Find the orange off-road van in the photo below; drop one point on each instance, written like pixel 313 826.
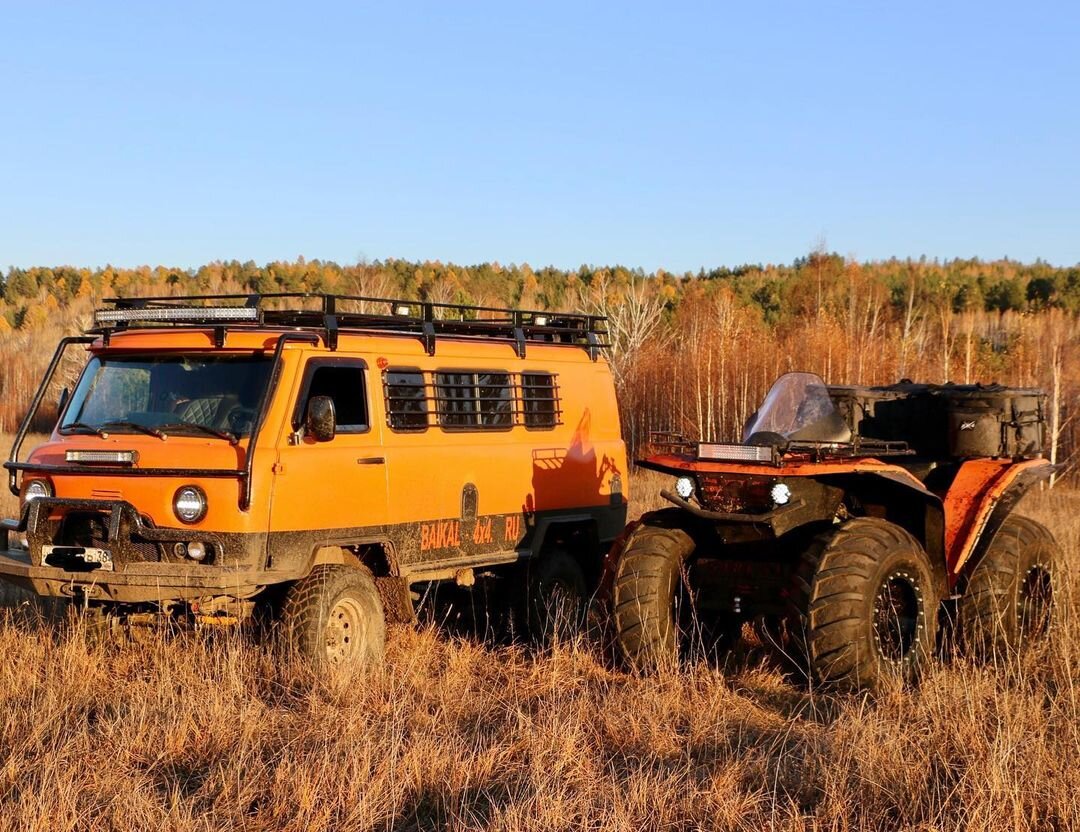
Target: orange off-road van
pixel 319 457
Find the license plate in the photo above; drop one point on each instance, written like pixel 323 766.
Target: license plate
pixel 92 557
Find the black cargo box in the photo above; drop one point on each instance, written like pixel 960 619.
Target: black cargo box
pixel 948 420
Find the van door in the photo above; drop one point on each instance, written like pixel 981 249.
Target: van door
pixel 332 491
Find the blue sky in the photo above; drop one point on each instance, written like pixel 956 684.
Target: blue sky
pixel 668 135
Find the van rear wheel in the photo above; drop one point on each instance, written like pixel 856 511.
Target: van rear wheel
pixel 334 618
pixel 555 597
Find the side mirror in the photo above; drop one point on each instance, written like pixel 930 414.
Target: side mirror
pixel 320 423
pixel 65 394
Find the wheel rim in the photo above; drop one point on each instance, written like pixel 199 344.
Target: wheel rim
pixel 897 616
pixel 344 631
pixel 1036 601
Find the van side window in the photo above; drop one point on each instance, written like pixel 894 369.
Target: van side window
pixel 406 399
pixel 474 399
pixel 344 383
pixel 539 400
pixel 496 400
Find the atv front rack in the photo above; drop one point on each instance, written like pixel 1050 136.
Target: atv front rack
pixel 776 455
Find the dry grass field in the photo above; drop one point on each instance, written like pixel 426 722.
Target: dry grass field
pixel 208 731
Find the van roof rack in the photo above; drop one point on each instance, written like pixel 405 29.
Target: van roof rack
pixel 332 314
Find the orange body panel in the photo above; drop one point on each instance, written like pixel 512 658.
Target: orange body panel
pixel 971 499
pixel 296 487
pixel 790 468
pixel 968 504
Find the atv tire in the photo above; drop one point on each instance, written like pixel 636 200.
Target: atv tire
pixel 866 606
pixel 334 618
pixel 1009 601
pixel 645 597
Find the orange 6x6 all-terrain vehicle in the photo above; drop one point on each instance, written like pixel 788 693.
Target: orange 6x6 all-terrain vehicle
pixel 840 525
pixel 223 454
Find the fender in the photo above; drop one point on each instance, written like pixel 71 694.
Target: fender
pixel 977 503
pixel 611 560
pixel 926 518
pixel 667 517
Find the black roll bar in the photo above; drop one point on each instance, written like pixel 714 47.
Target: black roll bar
pixel 244 474
pixel 35 404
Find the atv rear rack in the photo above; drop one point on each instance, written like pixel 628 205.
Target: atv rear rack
pixel 332 314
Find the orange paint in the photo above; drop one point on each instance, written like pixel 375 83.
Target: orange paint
pixel 298 486
pixel 971 499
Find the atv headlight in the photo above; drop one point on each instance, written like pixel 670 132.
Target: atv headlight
pixel 36 489
pixel 684 487
pixel 189 503
pixel 781 494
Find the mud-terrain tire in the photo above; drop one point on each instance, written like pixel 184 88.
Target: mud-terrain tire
pixel 26 606
pixel 866 606
pixel 555 597
pixel 334 617
pixel 645 595
pixel 1009 600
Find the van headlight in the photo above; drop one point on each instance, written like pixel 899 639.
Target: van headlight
pixel 189 503
pixel 684 487
pixel 36 489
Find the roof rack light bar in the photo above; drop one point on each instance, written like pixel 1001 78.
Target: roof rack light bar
pixel 178 313
pixel 333 314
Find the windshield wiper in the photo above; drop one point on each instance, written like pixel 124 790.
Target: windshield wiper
pixel 232 438
pixel 81 427
pixel 124 423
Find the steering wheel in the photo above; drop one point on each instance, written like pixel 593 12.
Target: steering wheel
pixel 241 419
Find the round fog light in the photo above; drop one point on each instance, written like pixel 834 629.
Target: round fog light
pixel 196 550
pixel 684 487
pixel 781 494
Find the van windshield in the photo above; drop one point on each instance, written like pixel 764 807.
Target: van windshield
pixel 160 394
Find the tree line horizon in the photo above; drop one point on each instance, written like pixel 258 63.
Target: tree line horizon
pixel 692 352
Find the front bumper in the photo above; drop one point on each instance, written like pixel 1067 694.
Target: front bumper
pixel 130 576
pixel 778 521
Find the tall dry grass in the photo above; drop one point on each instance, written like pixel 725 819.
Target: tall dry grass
pixel 209 731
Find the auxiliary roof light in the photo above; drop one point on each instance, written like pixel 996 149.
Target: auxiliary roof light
pixel 177 313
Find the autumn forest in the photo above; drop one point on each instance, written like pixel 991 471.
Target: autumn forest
pixel 692 352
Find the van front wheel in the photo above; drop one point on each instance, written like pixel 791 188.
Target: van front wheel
pixel 334 618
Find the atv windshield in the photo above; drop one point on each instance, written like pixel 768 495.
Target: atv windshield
pixel 165 394
pixel 799 407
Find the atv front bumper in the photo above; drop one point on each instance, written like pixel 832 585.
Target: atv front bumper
pixel 778 521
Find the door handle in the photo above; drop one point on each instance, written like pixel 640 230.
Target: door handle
pixel 371 460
